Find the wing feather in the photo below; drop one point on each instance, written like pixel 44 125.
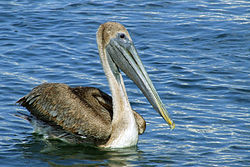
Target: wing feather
pixel 58 104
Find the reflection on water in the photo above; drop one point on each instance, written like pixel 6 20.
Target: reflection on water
pixel 56 153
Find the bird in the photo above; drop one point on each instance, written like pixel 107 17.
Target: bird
pixel 87 115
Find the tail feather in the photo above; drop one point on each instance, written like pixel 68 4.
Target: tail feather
pixel 23 116
pixel 21 101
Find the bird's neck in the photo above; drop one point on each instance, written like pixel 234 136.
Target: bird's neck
pixel 124 127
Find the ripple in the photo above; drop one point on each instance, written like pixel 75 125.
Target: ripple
pixel 196 54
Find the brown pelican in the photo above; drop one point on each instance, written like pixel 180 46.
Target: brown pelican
pixel 87 114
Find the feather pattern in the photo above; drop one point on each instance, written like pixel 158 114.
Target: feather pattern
pixel 85 112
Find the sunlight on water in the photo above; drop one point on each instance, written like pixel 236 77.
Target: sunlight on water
pixel 196 53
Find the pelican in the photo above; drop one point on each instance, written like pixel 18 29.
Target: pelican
pixel 86 114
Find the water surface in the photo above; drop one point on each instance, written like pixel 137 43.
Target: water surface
pixel 197 54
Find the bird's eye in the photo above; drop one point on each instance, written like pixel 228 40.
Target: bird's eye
pixel 122 35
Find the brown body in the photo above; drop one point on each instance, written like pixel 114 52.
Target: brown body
pixel 85 112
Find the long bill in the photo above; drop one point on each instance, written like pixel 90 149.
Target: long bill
pixel 124 56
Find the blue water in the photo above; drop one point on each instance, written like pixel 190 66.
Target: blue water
pixel 197 54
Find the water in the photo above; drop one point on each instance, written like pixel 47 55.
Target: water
pixel 197 54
